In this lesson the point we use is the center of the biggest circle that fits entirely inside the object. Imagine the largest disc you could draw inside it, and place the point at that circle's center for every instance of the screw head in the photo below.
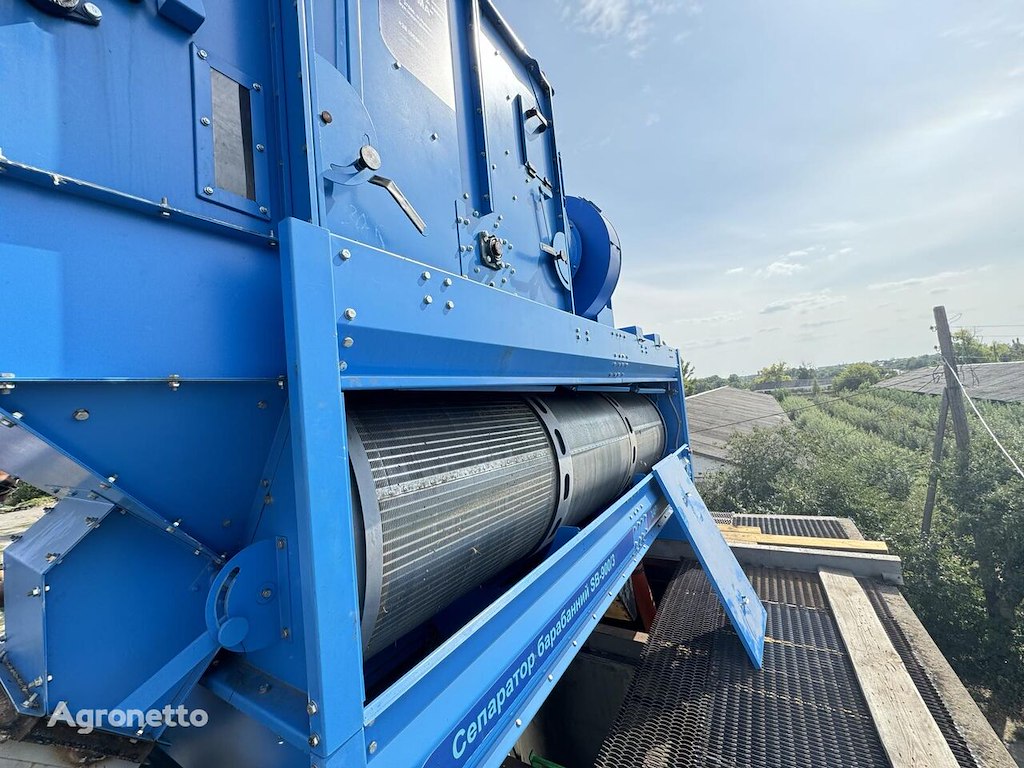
(428, 299)
(204, 120)
(350, 314)
(314, 739)
(348, 341)
(311, 708)
(257, 87)
(202, 54)
(449, 305)
(207, 190)
(80, 415)
(264, 210)
(326, 117)
(373, 747)
(260, 148)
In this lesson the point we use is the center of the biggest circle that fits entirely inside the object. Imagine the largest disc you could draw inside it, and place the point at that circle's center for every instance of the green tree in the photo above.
(856, 376)
(971, 348)
(773, 373)
(686, 368)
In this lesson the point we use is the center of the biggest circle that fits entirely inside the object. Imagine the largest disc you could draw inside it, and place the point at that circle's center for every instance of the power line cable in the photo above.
(930, 375)
(981, 418)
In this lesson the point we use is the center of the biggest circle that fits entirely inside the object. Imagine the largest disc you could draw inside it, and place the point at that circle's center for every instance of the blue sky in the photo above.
(796, 179)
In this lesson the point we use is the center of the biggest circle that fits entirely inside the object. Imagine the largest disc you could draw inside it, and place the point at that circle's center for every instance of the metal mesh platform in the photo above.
(696, 701)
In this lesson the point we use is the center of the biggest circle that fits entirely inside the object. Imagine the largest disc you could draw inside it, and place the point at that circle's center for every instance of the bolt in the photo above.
(311, 708)
(314, 740)
(373, 747)
(207, 190)
(350, 314)
(266, 594)
(433, 137)
(397, 65)
(447, 282)
(264, 210)
(345, 254)
(257, 87)
(112, 479)
(518, 721)
(285, 633)
(327, 117)
(80, 415)
(425, 276)
(514, 198)
(428, 299)
(465, 195)
(342, 365)
(260, 148)
(204, 120)
(202, 54)
(476, 214)
(262, 404)
(449, 305)
(551, 677)
(347, 342)
(263, 687)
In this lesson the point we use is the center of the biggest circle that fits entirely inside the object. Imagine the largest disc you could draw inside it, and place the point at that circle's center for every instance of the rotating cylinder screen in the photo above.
(453, 489)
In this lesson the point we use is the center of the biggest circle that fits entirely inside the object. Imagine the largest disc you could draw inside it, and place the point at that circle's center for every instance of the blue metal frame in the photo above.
(217, 380)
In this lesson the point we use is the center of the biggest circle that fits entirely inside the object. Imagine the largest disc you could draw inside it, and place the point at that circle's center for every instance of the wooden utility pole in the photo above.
(933, 476)
(952, 402)
(956, 397)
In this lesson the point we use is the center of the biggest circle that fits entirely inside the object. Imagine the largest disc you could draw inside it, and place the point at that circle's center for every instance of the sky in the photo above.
(794, 179)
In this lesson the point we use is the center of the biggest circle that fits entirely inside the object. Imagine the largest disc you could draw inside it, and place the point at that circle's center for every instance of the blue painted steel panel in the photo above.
(742, 606)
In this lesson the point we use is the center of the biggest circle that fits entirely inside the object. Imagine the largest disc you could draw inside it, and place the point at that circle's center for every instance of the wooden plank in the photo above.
(807, 542)
(729, 528)
(908, 733)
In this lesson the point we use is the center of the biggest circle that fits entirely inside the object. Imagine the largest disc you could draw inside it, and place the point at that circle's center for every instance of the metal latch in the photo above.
(492, 251)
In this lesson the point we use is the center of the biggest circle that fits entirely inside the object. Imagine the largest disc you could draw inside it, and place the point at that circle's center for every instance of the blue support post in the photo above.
(327, 556)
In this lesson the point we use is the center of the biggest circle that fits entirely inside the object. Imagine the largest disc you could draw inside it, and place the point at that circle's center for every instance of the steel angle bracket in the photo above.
(742, 606)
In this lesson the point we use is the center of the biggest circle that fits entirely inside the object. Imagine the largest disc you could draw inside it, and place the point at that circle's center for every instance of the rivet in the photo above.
(465, 195)
(518, 721)
(326, 117)
(397, 65)
(350, 314)
(342, 365)
(262, 404)
(80, 415)
(266, 594)
(264, 210)
(515, 197)
(263, 688)
(348, 341)
(551, 677)
(433, 137)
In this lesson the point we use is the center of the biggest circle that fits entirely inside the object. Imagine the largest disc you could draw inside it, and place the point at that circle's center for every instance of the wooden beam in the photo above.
(906, 728)
(807, 542)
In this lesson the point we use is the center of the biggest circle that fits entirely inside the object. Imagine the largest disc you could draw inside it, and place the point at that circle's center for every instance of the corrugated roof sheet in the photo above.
(715, 416)
(1003, 382)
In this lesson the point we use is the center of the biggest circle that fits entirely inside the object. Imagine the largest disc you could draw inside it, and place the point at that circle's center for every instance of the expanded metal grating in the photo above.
(777, 525)
(696, 701)
(924, 685)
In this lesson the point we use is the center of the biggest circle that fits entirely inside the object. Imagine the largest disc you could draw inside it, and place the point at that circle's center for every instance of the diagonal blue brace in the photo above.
(741, 603)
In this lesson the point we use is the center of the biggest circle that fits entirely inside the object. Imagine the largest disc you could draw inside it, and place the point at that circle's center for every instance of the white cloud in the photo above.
(632, 21)
(735, 271)
(716, 342)
(804, 303)
(717, 317)
(783, 268)
(652, 119)
(913, 282)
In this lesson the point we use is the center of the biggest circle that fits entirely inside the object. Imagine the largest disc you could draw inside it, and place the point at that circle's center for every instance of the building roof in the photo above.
(717, 415)
(983, 381)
